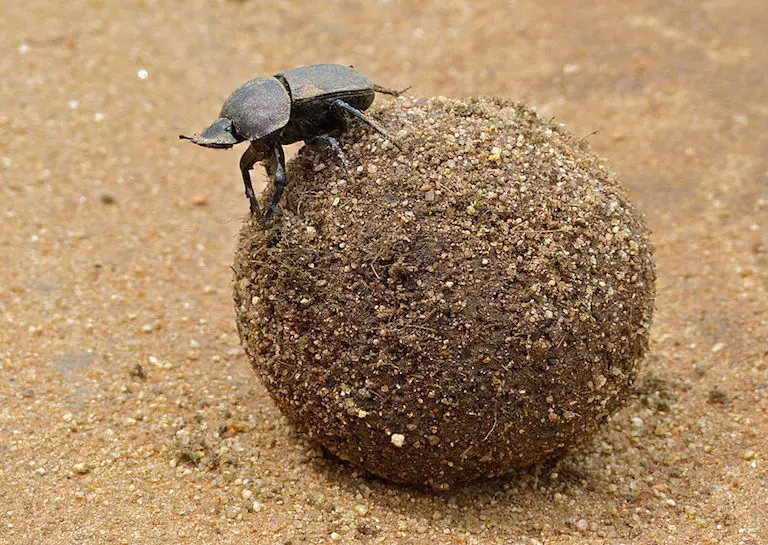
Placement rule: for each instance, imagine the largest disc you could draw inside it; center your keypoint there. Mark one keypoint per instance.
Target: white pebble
(398, 439)
(569, 69)
(142, 73)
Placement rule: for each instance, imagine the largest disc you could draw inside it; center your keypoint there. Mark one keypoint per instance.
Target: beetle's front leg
(277, 169)
(247, 161)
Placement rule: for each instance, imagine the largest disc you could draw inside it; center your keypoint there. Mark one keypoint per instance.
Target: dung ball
(476, 302)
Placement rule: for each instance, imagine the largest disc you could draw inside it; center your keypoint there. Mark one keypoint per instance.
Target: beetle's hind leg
(331, 142)
(385, 91)
(247, 161)
(276, 168)
(340, 106)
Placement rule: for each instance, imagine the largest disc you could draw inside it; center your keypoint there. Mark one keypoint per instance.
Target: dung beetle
(308, 103)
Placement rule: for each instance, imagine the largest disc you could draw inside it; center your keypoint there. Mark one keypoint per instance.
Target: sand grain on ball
(475, 303)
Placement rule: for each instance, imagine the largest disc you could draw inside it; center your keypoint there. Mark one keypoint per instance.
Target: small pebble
(582, 525)
(398, 439)
(80, 469)
(718, 396)
(108, 197)
(232, 511)
(569, 69)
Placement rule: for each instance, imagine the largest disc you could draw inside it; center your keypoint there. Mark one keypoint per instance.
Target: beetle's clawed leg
(247, 161)
(385, 91)
(276, 168)
(341, 106)
(332, 143)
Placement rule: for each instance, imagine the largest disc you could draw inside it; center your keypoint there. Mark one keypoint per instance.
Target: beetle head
(221, 134)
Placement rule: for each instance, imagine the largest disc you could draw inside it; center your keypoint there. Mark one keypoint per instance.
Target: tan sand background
(128, 413)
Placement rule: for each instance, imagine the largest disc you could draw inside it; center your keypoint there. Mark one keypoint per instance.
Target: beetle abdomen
(258, 108)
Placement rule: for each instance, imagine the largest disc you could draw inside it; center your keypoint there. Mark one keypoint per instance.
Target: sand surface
(128, 412)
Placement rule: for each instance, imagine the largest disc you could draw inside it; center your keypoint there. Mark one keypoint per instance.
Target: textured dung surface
(477, 302)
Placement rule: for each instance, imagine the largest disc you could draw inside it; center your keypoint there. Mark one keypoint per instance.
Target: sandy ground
(128, 412)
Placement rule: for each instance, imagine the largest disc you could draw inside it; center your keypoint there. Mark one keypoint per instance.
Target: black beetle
(308, 103)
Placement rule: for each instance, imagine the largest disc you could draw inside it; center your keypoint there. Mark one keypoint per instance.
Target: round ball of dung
(475, 302)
